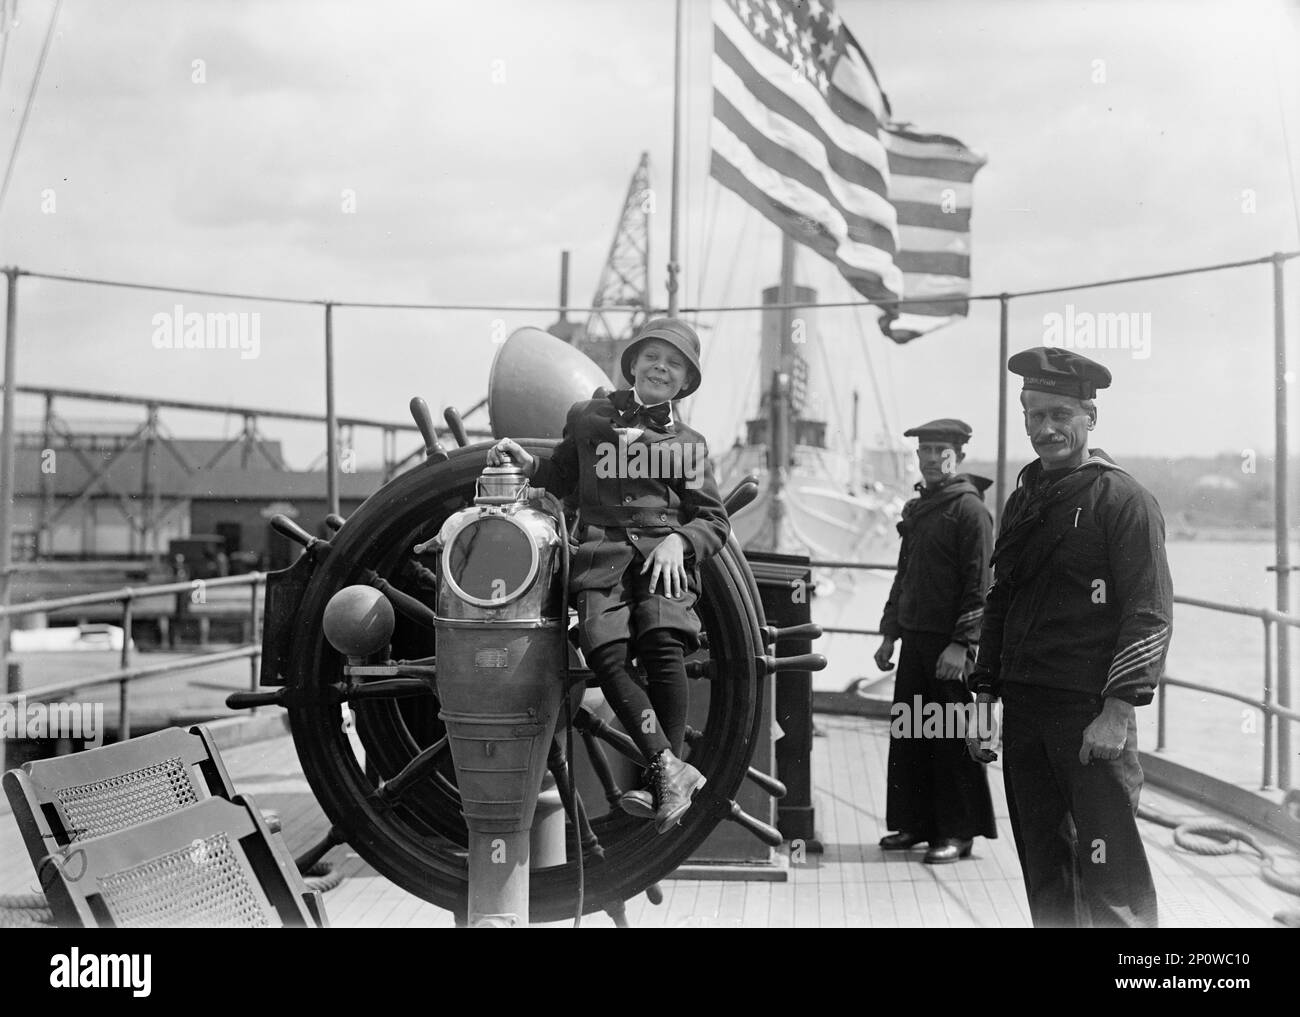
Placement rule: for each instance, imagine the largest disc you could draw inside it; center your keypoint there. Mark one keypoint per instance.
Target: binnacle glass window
(491, 559)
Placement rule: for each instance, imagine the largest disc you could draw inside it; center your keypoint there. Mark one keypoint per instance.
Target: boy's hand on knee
(669, 561)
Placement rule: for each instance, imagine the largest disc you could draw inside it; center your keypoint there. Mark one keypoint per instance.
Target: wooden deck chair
(60, 801)
(210, 865)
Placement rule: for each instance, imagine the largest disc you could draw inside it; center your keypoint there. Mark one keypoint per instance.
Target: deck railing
(128, 671)
(1274, 701)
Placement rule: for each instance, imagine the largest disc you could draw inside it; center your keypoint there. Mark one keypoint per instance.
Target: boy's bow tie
(633, 414)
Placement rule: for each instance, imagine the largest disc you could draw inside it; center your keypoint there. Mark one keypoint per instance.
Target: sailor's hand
(951, 666)
(885, 654)
(509, 450)
(981, 749)
(669, 561)
(1106, 736)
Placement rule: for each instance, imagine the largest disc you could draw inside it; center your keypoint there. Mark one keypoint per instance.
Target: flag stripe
(930, 146)
(932, 285)
(935, 169)
(916, 214)
(918, 238)
(932, 263)
(904, 190)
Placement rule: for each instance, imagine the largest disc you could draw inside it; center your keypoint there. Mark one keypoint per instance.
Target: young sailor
(647, 530)
(937, 794)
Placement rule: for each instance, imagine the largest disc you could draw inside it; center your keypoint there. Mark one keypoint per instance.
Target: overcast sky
(481, 139)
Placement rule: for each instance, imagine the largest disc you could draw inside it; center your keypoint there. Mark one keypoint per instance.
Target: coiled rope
(1216, 838)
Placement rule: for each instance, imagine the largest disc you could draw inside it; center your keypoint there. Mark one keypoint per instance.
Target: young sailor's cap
(1051, 369)
(949, 429)
(677, 334)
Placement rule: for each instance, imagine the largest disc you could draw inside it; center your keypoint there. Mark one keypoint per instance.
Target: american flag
(803, 132)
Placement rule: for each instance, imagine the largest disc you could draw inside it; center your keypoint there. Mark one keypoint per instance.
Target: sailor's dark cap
(1051, 369)
(949, 429)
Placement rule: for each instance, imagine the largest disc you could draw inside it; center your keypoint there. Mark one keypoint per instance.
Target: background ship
(815, 499)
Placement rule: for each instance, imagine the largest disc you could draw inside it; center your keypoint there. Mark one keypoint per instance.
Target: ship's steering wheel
(399, 808)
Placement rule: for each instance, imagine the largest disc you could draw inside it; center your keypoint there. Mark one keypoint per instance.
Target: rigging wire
(31, 96)
(1266, 259)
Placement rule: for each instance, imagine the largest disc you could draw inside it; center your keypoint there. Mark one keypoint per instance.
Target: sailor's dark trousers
(1075, 825)
(935, 790)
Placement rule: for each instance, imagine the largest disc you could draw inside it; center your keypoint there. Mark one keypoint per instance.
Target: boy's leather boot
(639, 803)
(674, 783)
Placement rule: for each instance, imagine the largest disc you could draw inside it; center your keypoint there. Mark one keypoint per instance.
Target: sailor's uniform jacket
(625, 513)
(943, 562)
(1082, 599)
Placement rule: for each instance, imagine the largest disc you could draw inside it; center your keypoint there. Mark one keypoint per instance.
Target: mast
(779, 397)
(675, 212)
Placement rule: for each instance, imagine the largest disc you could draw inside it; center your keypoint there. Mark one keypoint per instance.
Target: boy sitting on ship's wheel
(649, 515)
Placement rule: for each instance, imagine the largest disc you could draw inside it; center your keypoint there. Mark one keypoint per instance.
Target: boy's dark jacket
(943, 562)
(1082, 598)
(627, 517)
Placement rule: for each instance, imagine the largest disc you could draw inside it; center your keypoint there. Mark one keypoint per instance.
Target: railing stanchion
(1266, 780)
(123, 710)
(123, 697)
(255, 637)
(128, 618)
(1281, 516)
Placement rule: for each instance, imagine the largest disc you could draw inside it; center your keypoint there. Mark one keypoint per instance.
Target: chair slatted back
(69, 808)
(87, 794)
(210, 865)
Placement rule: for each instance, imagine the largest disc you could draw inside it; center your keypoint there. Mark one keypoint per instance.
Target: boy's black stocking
(660, 654)
(627, 699)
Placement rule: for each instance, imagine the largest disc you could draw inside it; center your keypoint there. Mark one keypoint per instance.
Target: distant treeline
(1226, 491)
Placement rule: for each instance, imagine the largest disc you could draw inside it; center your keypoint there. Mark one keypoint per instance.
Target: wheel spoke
(419, 767)
(585, 720)
(386, 688)
(766, 781)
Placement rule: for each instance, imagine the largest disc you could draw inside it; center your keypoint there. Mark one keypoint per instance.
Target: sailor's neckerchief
(933, 498)
(1042, 493)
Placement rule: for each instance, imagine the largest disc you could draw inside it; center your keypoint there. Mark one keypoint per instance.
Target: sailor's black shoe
(947, 851)
(900, 841)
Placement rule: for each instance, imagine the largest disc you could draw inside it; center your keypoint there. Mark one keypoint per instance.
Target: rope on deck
(1215, 838)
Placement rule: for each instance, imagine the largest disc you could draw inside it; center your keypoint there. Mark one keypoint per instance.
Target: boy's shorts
(628, 609)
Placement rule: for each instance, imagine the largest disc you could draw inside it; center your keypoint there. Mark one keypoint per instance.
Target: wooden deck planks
(853, 884)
